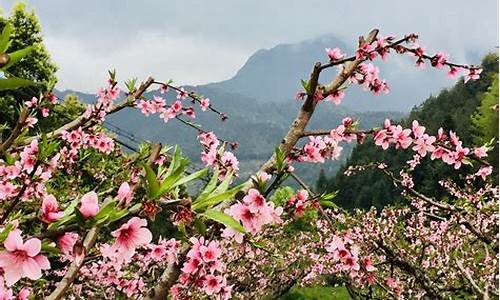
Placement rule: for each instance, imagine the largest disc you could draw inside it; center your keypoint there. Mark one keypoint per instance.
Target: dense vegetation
(464, 108)
(36, 66)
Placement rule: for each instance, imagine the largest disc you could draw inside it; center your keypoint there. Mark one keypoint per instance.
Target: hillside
(261, 125)
(452, 109)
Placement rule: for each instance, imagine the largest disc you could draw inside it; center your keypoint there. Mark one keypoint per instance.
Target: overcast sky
(201, 41)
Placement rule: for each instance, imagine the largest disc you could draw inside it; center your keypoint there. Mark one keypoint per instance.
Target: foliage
(317, 293)
(36, 66)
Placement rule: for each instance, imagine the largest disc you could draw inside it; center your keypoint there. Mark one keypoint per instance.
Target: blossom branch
(83, 119)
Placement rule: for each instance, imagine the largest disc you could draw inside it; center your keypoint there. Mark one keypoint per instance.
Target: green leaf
(47, 248)
(329, 196)
(224, 185)
(117, 215)
(5, 232)
(106, 210)
(17, 56)
(280, 159)
(200, 204)
(168, 183)
(191, 177)
(326, 203)
(211, 185)
(224, 219)
(153, 183)
(4, 38)
(174, 162)
(14, 83)
(305, 85)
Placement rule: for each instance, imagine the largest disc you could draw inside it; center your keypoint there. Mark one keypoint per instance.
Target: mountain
(273, 75)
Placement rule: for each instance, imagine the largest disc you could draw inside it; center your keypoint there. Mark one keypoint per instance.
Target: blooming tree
(76, 212)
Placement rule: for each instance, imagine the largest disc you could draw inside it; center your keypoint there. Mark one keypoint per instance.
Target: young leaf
(153, 183)
(200, 204)
(106, 210)
(223, 185)
(191, 177)
(169, 182)
(14, 83)
(280, 159)
(5, 232)
(305, 85)
(17, 56)
(224, 219)
(211, 185)
(4, 38)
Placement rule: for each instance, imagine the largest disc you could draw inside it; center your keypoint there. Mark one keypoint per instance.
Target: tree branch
(23, 115)
(83, 119)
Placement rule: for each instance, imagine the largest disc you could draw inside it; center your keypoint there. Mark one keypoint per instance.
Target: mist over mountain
(273, 75)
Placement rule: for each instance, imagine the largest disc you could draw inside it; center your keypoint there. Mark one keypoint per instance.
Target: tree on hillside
(36, 66)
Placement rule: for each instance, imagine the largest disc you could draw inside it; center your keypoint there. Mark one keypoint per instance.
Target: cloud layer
(197, 41)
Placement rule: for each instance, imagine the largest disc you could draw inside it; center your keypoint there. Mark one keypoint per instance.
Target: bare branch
(23, 115)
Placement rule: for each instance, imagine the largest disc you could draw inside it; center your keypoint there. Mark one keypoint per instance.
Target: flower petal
(42, 261)
(12, 275)
(31, 269)
(14, 241)
(32, 246)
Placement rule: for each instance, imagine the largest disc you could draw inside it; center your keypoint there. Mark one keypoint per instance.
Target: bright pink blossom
(50, 209)
(130, 236)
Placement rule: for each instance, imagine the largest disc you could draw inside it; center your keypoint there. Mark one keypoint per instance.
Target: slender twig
(191, 95)
(21, 121)
(83, 119)
(469, 277)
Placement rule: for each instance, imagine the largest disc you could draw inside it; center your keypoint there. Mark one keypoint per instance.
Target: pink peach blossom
(89, 205)
(22, 259)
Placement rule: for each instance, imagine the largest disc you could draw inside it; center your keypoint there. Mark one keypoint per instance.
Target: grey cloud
(202, 41)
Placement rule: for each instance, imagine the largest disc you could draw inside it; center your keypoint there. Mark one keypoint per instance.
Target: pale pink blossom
(334, 53)
(22, 259)
(89, 205)
(125, 194)
(66, 242)
(484, 172)
(481, 152)
(204, 104)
